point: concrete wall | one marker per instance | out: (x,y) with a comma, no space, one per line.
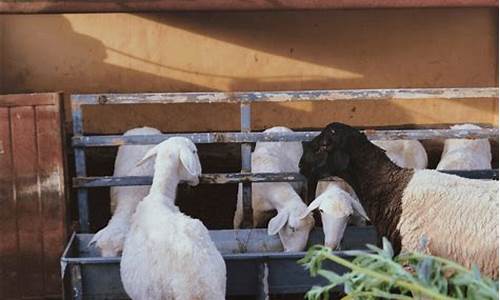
(228,51)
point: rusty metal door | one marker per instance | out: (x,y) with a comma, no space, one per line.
(32,195)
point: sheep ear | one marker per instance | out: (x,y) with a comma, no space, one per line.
(359,209)
(312,206)
(151,153)
(190,161)
(276,223)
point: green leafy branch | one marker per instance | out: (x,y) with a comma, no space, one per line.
(378,274)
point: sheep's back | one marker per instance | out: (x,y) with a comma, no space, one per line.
(458,216)
(126,161)
(404,153)
(171,254)
(465,155)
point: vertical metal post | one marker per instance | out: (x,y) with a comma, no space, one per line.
(263,285)
(76,282)
(246,165)
(80,168)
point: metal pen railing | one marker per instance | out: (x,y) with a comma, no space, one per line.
(245,137)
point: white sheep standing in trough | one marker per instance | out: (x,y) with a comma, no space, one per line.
(465,154)
(408,154)
(290,222)
(168,255)
(338,204)
(457,216)
(124,199)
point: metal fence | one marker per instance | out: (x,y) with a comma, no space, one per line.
(245,137)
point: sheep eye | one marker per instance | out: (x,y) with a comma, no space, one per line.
(321,210)
(321,148)
(194,151)
(292,228)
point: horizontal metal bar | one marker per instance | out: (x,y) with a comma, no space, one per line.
(283,96)
(217,178)
(474,174)
(199,138)
(134,6)
(239,256)
(252,137)
(224,178)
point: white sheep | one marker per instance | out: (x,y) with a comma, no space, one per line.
(465,154)
(458,216)
(338,204)
(291,224)
(124,199)
(404,153)
(168,255)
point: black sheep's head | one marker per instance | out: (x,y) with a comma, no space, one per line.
(329,153)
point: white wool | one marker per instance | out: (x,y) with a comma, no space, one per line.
(275,157)
(337,203)
(404,153)
(465,154)
(124,199)
(458,216)
(168,255)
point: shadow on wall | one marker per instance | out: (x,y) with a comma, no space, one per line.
(44,53)
(254,51)
(329,50)
(379,48)
(356,49)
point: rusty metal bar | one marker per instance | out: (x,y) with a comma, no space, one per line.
(253,137)
(284,96)
(225,178)
(85,6)
(80,168)
(217,178)
(246,165)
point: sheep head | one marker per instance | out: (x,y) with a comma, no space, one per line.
(181,150)
(329,154)
(336,207)
(293,228)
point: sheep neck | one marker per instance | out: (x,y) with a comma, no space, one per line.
(165,178)
(287,198)
(379,184)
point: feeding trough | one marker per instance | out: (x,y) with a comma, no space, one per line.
(254,260)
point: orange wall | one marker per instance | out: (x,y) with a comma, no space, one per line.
(228,51)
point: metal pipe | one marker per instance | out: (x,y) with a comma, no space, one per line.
(246,165)
(83,6)
(225,178)
(80,169)
(217,178)
(253,137)
(285,96)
